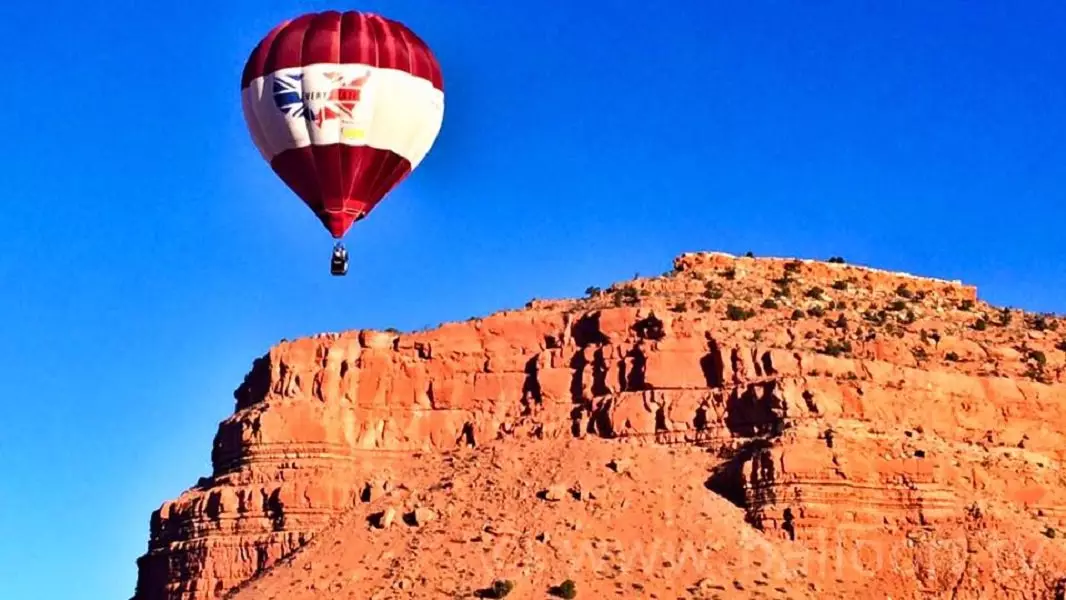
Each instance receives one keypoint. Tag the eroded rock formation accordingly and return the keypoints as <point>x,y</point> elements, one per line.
<point>834,395</point>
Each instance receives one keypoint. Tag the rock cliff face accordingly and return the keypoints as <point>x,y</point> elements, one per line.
<point>835,397</point>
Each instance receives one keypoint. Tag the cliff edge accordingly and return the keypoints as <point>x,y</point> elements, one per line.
<point>800,408</point>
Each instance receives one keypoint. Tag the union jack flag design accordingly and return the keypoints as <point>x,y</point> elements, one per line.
<point>336,99</point>
<point>287,95</point>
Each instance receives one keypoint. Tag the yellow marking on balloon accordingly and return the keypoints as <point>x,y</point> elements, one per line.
<point>352,133</point>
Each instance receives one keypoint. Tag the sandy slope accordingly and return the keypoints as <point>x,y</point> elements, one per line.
<point>651,531</point>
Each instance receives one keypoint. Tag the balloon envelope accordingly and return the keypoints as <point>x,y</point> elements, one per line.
<point>343,106</point>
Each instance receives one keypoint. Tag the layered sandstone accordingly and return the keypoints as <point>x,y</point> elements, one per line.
<point>833,396</point>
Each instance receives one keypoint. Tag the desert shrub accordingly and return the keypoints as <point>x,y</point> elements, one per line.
<point>567,589</point>
<point>951,357</point>
<point>712,290</point>
<point>966,305</point>
<point>1038,357</point>
<point>799,314</point>
<point>679,307</point>
<point>736,313</point>
<point>816,311</point>
<point>815,293</point>
<point>1037,374</point>
<point>875,317</point>
<point>840,284</point>
<point>837,260</point>
<point>904,292</point>
<point>1005,317</point>
<point>1038,323</point>
<point>836,348</point>
<point>769,303</point>
<point>500,589</point>
<point>980,324</point>
<point>626,295</point>
<point>592,291</point>
<point>783,289</point>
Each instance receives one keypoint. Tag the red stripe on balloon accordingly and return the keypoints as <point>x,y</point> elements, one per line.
<point>354,48</point>
<point>254,66</point>
<point>287,49</point>
<point>366,37</point>
<point>371,173</point>
<point>322,45</point>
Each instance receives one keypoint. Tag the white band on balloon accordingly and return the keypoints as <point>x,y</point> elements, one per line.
<point>353,104</point>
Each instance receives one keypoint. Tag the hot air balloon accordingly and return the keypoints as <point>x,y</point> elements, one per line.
<point>343,106</point>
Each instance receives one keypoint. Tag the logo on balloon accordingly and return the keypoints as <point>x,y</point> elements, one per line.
<point>333,96</point>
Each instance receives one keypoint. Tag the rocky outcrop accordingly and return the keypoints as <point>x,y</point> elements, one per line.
<point>835,395</point>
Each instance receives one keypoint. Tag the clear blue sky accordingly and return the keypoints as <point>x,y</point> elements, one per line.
<point>149,254</point>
